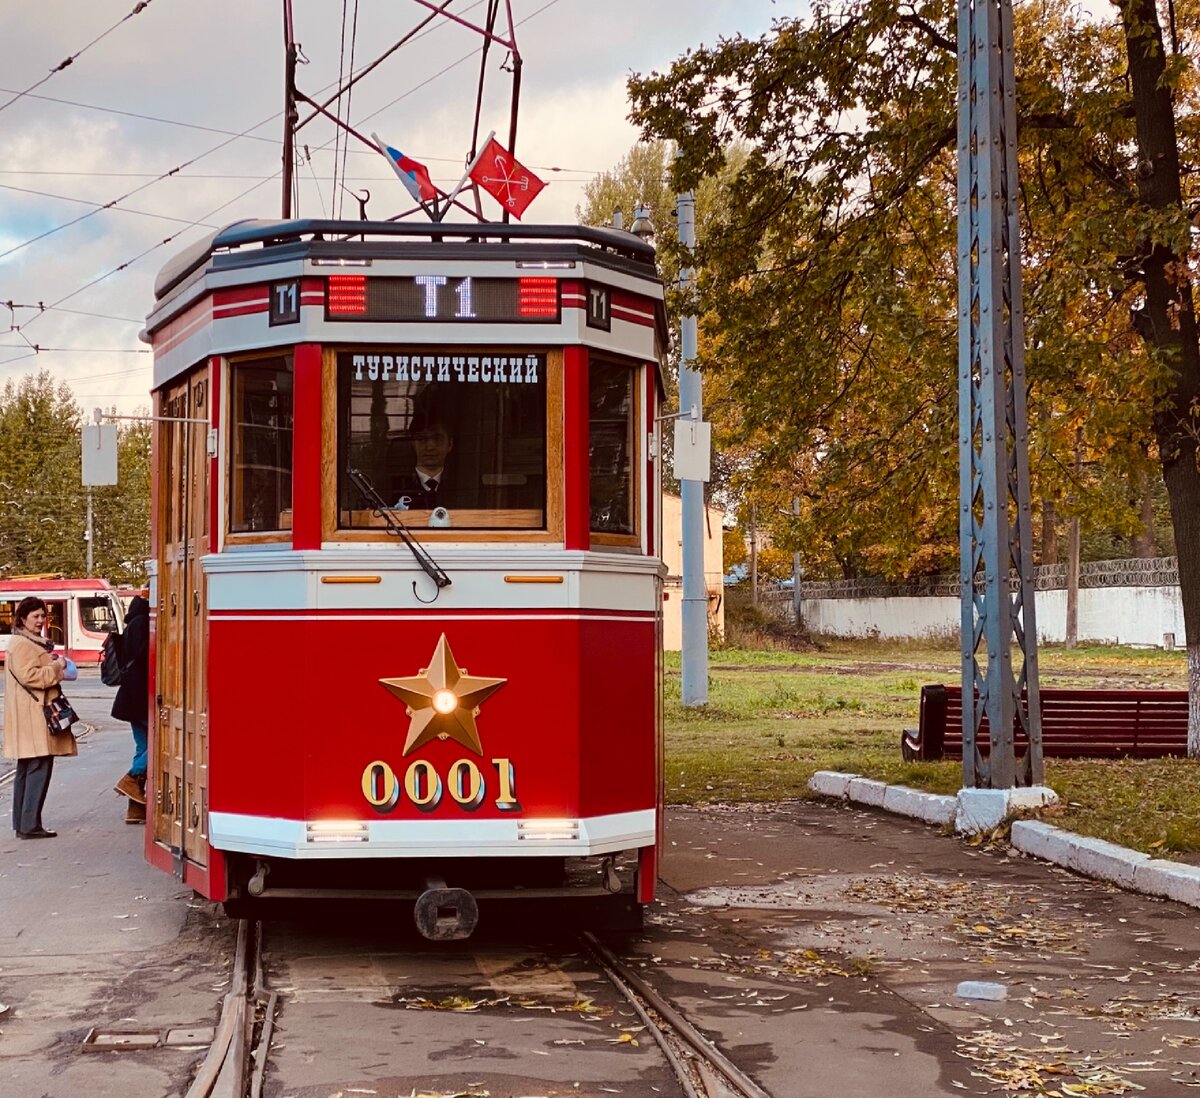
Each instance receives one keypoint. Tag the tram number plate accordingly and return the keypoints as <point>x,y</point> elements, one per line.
<point>599,307</point>
<point>284,303</point>
<point>424,788</point>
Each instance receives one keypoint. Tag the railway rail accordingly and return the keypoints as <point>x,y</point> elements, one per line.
<point>237,1061</point>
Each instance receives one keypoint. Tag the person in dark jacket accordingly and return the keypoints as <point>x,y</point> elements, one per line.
<point>132,703</point>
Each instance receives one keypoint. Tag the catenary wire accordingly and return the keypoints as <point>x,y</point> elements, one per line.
<point>89,202</point>
<point>138,8</point>
<point>176,170</point>
<point>164,175</point>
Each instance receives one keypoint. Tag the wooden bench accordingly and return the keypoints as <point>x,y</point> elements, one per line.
<point>1076,724</point>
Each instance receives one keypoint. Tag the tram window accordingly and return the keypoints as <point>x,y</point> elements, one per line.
<point>8,609</point>
<point>261,479</point>
<point>96,615</point>
<point>611,407</point>
<point>476,420</point>
<point>56,622</point>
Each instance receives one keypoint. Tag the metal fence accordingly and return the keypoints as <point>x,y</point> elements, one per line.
<point>1132,572</point>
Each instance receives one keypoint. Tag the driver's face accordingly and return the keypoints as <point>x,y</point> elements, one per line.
<point>431,447</point>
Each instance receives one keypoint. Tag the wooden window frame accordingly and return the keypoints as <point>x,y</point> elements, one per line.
<point>229,364</point>
<point>551,531</point>
<point>632,541</point>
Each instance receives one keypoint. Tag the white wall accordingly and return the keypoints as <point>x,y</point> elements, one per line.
<point>1110,615</point>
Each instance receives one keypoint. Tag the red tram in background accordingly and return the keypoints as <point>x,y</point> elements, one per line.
<point>80,613</point>
<point>370,685</point>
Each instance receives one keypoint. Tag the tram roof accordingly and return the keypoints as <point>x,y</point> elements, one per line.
<point>234,245</point>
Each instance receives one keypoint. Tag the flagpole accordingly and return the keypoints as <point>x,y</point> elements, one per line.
<point>467,174</point>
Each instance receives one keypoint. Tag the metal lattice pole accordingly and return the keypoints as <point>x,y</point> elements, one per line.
<point>995,515</point>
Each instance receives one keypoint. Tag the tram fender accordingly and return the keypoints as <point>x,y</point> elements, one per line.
<point>446,914</point>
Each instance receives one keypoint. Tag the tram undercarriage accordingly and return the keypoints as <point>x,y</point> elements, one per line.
<point>444,896</point>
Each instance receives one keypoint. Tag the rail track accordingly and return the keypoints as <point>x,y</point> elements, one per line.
<point>236,1064</point>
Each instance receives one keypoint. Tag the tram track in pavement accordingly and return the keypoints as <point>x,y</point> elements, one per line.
<point>237,1062</point>
<point>702,1069</point>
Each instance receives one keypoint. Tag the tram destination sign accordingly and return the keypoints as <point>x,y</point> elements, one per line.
<point>442,299</point>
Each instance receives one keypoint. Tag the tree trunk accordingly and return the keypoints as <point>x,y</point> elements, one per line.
<point>753,554</point>
<point>1049,532</point>
<point>1167,321</point>
<point>1072,634</point>
<point>1145,545</point>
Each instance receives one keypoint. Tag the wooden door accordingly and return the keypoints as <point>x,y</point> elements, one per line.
<point>181,755</point>
<point>195,822</point>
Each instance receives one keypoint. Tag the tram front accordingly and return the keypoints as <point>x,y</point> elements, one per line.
<point>407,588</point>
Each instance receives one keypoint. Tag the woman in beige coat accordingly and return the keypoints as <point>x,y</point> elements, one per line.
<point>31,664</point>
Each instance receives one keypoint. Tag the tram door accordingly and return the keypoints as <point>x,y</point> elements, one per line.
<point>181,819</point>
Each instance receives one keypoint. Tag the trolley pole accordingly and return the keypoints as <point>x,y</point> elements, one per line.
<point>694,690</point>
<point>289,108</point>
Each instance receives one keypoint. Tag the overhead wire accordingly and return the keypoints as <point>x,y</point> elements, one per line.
<point>175,171</point>
<point>147,118</point>
<point>89,202</point>
<point>43,309</point>
<point>138,8</point>
<point>234,137</point>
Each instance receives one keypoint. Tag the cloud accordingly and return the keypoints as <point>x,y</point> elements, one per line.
<point>219,64</point>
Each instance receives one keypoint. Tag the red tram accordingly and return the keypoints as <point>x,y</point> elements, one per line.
<point>370,682</point>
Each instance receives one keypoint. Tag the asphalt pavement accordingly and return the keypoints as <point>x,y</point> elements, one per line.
<point>821,945</point>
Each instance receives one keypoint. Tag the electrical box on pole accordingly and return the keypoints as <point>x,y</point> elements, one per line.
<point>99,454</point>
<point>692,450</point>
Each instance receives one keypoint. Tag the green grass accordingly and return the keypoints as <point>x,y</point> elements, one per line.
<point>774,717</point>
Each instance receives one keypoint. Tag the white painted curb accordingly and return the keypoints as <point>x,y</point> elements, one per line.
<point>1096,858</point>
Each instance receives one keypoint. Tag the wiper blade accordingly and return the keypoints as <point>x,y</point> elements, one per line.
<point>429,566</point>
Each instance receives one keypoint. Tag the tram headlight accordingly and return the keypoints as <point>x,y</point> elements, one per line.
<point>445,701</point>
<point>548,830</point>
<point>336,831</point>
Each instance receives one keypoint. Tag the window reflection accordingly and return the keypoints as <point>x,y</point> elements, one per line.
<point>261,482</point>
<point>610,447</point>
<point>461,431</point>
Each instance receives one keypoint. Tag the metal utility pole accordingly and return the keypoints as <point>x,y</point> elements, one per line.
<point>88,535</point>
<point>694,687</point>
<point>995,517</point>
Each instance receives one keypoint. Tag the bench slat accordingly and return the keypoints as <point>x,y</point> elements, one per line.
<point>1076,723</point>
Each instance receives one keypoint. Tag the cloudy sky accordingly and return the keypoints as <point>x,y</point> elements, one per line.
<point>198,86</point>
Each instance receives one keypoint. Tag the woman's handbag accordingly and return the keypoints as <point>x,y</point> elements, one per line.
<point>59,713</point>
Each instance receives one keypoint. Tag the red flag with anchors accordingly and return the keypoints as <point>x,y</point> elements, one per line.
<point>505,178</point>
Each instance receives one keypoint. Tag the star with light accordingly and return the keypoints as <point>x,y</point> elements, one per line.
<point>443,701</point>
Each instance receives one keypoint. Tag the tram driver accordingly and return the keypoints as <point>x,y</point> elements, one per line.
<point>427,483</point>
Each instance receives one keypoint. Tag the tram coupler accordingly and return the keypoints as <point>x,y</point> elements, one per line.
<point>445,914</point>
<point>610,876</point>
<point>257,884</point>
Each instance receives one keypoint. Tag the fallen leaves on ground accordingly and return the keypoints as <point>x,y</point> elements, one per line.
<point>1007,1063</point>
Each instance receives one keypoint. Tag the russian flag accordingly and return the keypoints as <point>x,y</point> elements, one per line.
<point>413,175</point>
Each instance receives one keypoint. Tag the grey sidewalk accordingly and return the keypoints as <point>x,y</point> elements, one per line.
<point>92,936</point>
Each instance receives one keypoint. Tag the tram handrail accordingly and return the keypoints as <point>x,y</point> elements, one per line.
<point>379,506</point>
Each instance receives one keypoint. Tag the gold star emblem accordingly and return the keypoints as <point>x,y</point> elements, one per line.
<point>443,701</point>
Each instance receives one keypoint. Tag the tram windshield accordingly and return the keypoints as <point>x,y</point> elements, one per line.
<point>459,432</point>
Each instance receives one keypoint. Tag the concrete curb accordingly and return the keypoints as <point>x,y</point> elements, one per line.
<point>1105,861</point>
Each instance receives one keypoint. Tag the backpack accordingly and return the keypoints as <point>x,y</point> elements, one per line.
<point>110,660</point>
